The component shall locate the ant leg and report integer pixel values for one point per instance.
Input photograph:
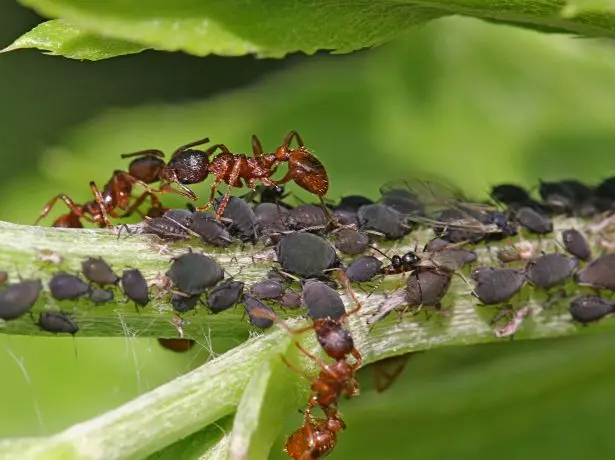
(75, 208)
(295, 369)
(139, 201)
(287, 178)
(289, 138)
(142, 153)
(212, 195)
(179, 150)
(346, 282)
(101, 204)
(211, 150)
(232, 180)
(164, 188)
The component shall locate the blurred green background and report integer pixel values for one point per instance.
(474, 103)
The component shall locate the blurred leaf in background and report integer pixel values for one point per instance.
(475, 103)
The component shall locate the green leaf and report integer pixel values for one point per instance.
(574, 7)
(62, 38)
(275, 28)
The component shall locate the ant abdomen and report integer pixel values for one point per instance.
(188, 167)
(308, 172)
(147, 169)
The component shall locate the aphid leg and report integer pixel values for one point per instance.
(178, 150)
(75, 209)
(101, 204)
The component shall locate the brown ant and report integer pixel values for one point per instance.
(315, 439)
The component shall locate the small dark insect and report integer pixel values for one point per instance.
(209, 229)
(605, 194)
(177, 345)
(260, 314)
(383, 219)
(135, 286)
(100, 296)
(511, 195)
(267, 194)
(353, 202)
(267, 289)
(496, 285)
(17, 298)
(271, 221)
(534, 221)
(3, 277)
(183, 304)
(225, 295)
(598, 274)
(589, 308)
(64, 286)
(305, 254)
(322, 301)
(99, 272)
(576, 244)
(427, 287)
(172, 226)
(568, 197)
(193, 273)
(57, 322)
(350, 241)
(550, 269)
(363, 269)
(345, 217)
(315, 439)
(242, 219)
(290, 300)
(523, 250)
(307, 216)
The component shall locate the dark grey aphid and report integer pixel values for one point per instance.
(307, 216)
(135, 286)
(353, 202)
(436, 244)
(17, 298)
(57, 322)
(209, 229)
(270, 214)
(267, 289)
(260, 314)
(534, 221)
(383, 219)
(242, 220)
(350, 241)
(568, 196)
(305, 254)
(497, 285)
(589, 308)
(64, 286)
(225, 295)
(100, 296)
(598, 274)
(99, 272)
(172, 226)
(290, 300)
(363, 269)
(322, 301)
(183, 304)
(193, 273)
(345, 217)
(576, 244)
(450, 259)
(427, 287)
(550, 269)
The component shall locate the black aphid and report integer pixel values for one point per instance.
(363, 269)
(605, 195)
(598, 274)
(183, 304)
(353, 202)
(427, 287)
(568, 197)
(305, 254)
(322, 301)
(241, 218)
(172, 226)
(270, 221)
(589, 308)
(497, 285)
(135, 286)
(534, 221)
(16, 299)
(576, 244)
(57, 322)
(383, 219)
(193, 273)
(345, 217)
(64, 286)
(98, 272)
(289, 299)
(451, 259)
(550, 269)
(209, 229)
(307, 216)
(267, 289)
(260, 314)
(100, 296)
(224, 296)
(350, 241)
(511, 194)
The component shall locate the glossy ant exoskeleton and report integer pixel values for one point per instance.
(316, 438)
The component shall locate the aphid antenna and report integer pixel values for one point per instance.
(183, 227)
(288, 275)
(374, 232)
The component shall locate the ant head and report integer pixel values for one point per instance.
(187, 167)
(409, 259)
(396, 261)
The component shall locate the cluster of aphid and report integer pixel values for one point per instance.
(308, 239)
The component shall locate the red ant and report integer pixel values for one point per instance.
(315, 439)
